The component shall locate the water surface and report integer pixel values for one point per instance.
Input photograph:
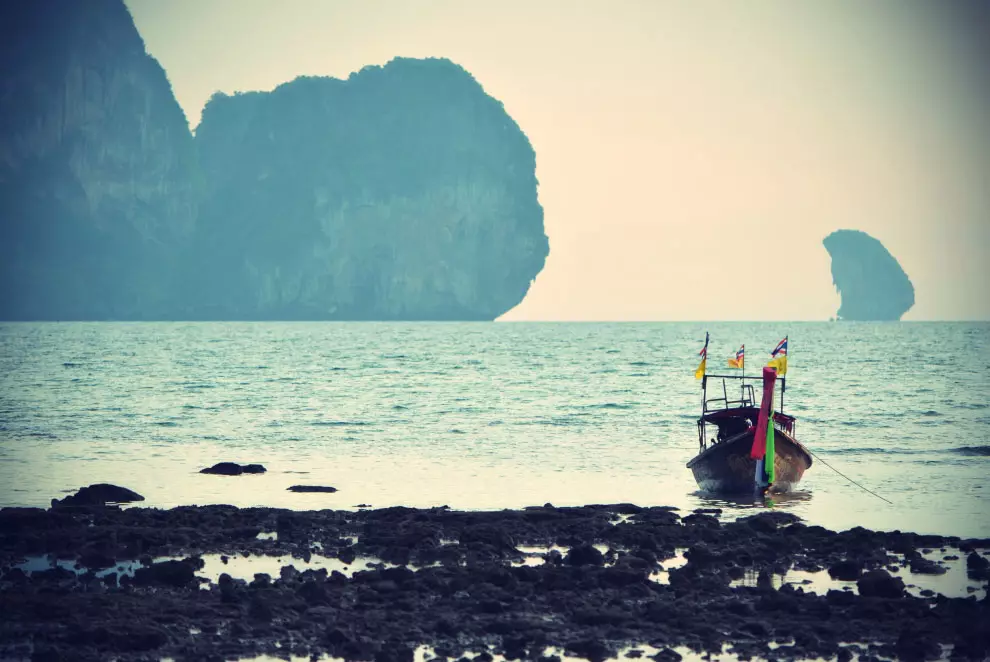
(488, 415)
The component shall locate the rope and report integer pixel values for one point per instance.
(847, 477)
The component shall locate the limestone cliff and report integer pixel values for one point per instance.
(872, 284)
(403, 192)
(97, 165)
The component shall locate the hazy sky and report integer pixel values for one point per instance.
(685, 150)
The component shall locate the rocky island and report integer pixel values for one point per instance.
(871, 282)
(403, 192)
(98, 172)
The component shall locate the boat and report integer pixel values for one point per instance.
(725, 463)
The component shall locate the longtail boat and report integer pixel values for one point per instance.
(731, 462)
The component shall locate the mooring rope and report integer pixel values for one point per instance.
(847, 477)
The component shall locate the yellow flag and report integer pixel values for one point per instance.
(700, 372)
(780, 363)
(736, 363)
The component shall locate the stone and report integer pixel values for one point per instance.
(99, 494)
(880, 583)
(233, 469)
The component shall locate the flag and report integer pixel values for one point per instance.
(780, 363)
(768, 465)
(759, 449)
(740, 360)
(778, 358)
(700, 372)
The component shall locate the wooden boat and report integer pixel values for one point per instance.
(723, 463)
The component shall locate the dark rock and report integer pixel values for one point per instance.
(168, 573)
(99, 494)
(260, 610)
(233, 469)
(584, 555)
(769, 521)
(879, 583)
(923, 566)
(977, 567)
(312, 488)
(590, 649)
(708, 511)
(914, 646)
(703, 520)
(667, 655)
(847, 571)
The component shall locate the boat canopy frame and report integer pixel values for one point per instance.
(746, 403)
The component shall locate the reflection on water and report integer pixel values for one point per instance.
(742, 502)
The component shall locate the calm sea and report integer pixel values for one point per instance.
(483, 416)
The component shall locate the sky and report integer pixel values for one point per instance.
(691, 155)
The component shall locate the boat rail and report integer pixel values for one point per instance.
(747, 400)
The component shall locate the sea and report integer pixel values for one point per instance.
(492, 415)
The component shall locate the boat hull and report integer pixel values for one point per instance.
(727, 468)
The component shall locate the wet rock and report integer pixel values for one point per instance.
(667, 655)
(590, 649)
(259, 610)
(880, 584)
(233, 469)
(922, 566)
(977, 567)
(312, 488)
(915, 646)
(492, 537)
(702, 520)
(584, 555)
(99, 494)
(769, 522)
(167, 573)
(847, 571)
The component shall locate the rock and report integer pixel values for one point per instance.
(413, 196)
(233, 469)
(914, 646)
(847, 571)
(312, 488)
(584, 555)
(99, 494)
(923, 566)
(977, 567)
(879, 583)
(97, 179)
(872, 284)
(168, 573)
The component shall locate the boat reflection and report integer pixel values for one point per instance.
(741, 504)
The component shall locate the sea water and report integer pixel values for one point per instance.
(491, 415)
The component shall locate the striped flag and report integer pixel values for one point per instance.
(700, 372)
(740, 359)
(778, 358)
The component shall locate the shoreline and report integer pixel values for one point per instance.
(220, 582)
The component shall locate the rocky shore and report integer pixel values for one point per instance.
(94, 582)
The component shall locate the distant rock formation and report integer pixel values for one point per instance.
(404, 192)
(97, 165)
(872, 284)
